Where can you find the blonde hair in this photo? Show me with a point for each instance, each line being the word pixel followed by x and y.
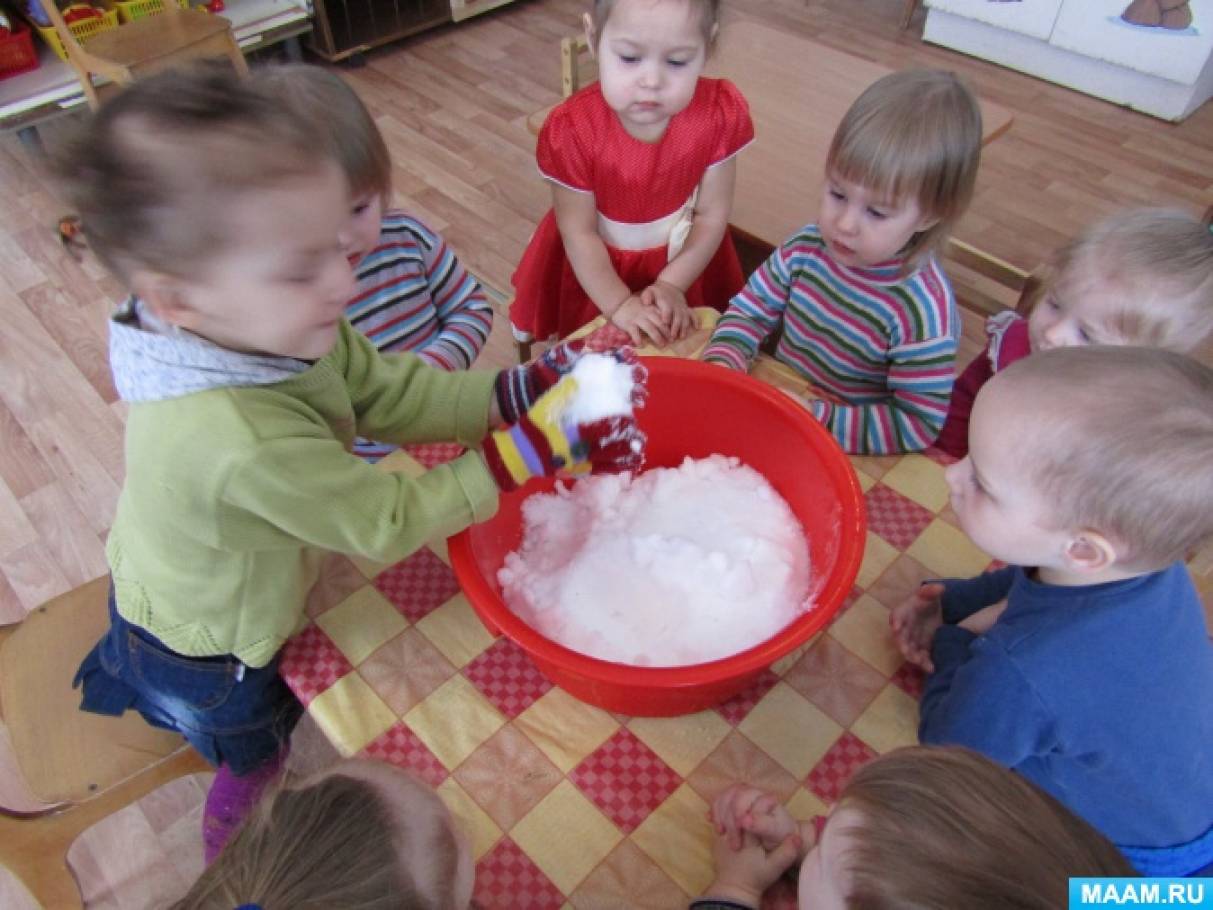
pixel 1155 268
pixel 333 112
pixel 1120 443
pixel 709 17
pixel 332 844
pixel 914 134
pixel 941 828
pixel 150 172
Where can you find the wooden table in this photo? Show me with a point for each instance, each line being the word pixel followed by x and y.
pixel 798 91
pixel 566 805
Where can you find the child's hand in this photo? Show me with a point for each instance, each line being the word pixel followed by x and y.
pixel 983 620
pixel 539 444
pixel 743 874
pixel 742 809
pixel 518 388
pixel 641 322
pixel 914 622
pixel 671 303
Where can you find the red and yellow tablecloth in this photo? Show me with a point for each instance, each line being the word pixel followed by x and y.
pixel 567 805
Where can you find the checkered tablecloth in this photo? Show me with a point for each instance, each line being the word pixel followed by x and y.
pixel 567 805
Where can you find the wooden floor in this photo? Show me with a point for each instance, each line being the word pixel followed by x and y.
pixel 453 105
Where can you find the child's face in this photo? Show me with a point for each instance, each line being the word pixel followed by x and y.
pixel 419 810
pixel 650 55
pixel 1073 312
pixel 992 496
pixel 361 232
pixel 862 229
pixel 282 280
pixel 824 881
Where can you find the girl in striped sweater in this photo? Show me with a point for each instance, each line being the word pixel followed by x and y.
pixel 858 303
pixel 412 293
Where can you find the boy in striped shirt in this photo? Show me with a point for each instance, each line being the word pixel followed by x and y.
pixel 412 294
pixel 859 304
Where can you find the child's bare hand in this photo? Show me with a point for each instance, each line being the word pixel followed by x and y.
pixel 743 810
pixel 671 303
pixel 914 622
pixel 742 874
pixel 983 620
pixel 641 322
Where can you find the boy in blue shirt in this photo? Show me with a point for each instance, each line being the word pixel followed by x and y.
pixel 1085 665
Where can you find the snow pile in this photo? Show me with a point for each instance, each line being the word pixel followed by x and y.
pixel 675 566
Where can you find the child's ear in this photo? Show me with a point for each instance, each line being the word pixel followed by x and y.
pixel 587 22
pixel 163 296
pixel 1090 551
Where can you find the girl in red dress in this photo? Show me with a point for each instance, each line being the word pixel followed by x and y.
pixel 642 168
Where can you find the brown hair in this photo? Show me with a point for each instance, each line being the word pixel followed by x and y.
pixel 1155 270
pixel 149 172
pixel 333 112
pixel 331 844
pixel 709 18
pixel 942 828
pixel 914 134
pixel 1118 442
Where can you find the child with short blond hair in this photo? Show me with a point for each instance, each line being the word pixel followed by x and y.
pixel 222 212
pixel 919 828
pixel 1085 665
pixel 1138 277
pixel 858 301
pixel 360 834
pixel 411 292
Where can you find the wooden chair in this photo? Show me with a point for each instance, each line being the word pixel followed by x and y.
pixel 907 13
pixel 70 765
pixel 999 283
pixel 146 45
pixel 571 49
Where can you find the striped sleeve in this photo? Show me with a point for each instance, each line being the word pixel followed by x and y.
pixel 465 317
pixel 921 370
pixel 753 314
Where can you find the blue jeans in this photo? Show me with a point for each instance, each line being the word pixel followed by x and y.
pixel 232 714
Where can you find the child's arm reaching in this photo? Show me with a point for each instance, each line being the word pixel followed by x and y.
pixel 753 314
pixel 577 219
pixel 465 317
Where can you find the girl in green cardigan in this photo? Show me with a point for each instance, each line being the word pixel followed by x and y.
pixel 246 388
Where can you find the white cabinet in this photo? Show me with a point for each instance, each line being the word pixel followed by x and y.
pixel 1033 18
pixel 1090 45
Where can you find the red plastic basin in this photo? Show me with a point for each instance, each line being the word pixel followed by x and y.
pixel 694 409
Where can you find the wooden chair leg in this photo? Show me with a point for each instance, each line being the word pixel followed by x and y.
pixel 908 13
pixel 524 351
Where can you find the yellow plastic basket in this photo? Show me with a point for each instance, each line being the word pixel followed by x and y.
pixel 130 10
pixel 83 30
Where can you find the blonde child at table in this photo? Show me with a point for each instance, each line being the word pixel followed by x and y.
pixel 858 303
pixel 916 829
pixel 1085 664
pixel 411 291
pixel 641 166
pixel 362 834
pixel 224 214
pixel 1138 277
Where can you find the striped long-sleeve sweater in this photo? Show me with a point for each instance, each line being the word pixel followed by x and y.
pixel 413 295
pixel 882 343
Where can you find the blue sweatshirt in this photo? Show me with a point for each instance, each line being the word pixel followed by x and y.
pixel 1102 695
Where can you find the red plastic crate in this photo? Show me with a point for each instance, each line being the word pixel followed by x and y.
pixel 17 53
